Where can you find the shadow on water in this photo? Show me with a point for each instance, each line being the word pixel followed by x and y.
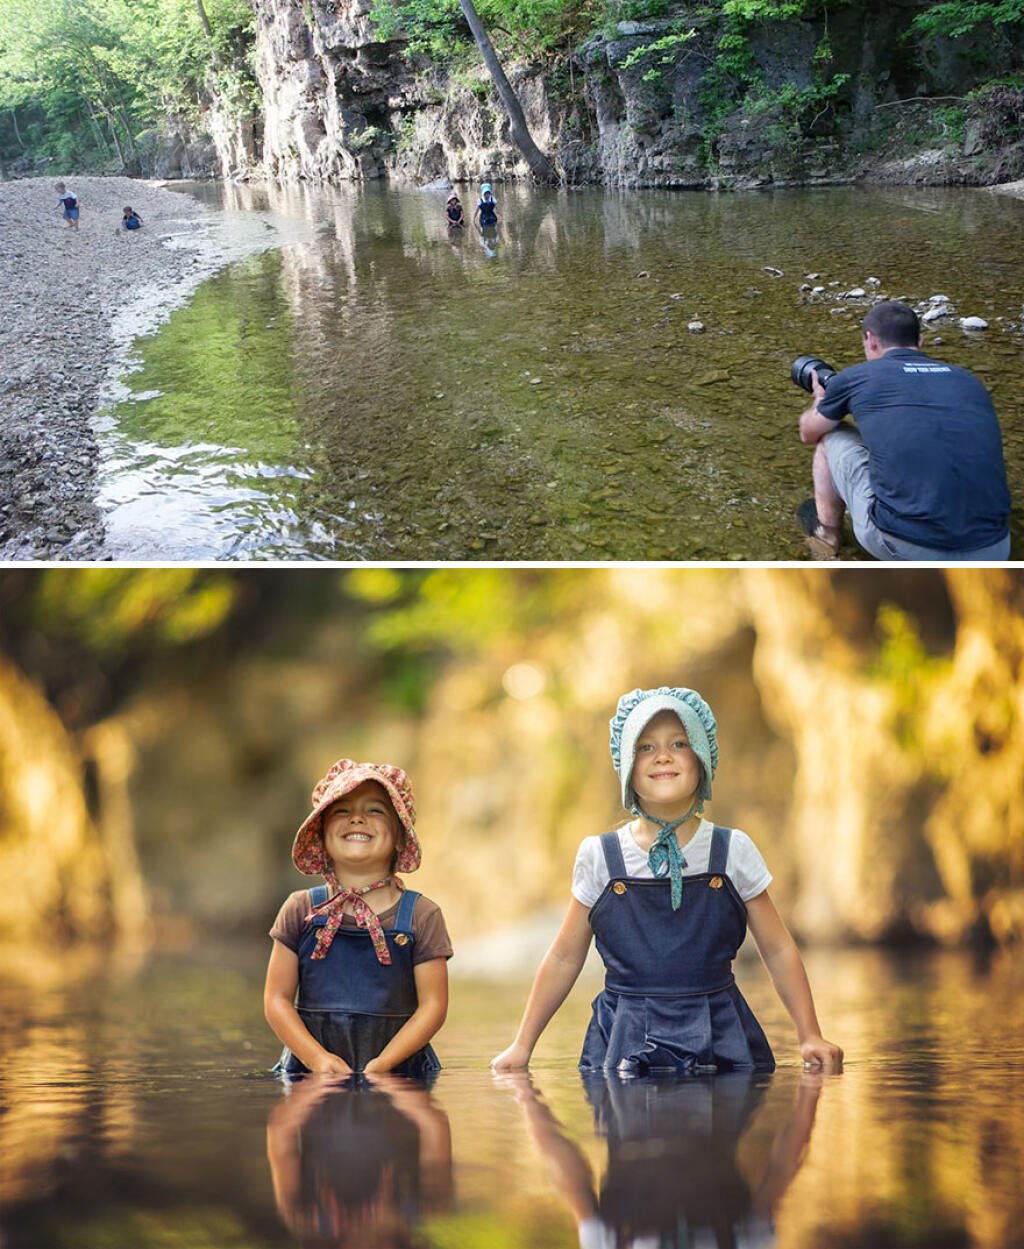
pixel 395 390
pixel 139 1111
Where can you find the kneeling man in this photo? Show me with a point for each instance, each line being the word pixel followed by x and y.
pixel 922 472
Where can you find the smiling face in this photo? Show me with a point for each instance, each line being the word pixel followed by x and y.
pixel 666 771
pixel 361 831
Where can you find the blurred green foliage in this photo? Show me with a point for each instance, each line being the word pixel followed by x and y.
pixel 460 609
pixel 106 610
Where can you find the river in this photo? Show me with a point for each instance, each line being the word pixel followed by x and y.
pixel 139 1114
pixel 392 390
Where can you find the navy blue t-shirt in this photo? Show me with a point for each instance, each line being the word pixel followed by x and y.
pixel 934 447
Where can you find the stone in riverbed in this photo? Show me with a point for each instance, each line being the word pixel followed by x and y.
pixel 973 323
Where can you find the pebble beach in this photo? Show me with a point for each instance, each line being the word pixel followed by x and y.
pixel 65 297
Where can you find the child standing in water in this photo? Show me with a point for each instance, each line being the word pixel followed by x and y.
pixel 453 212
pixel 486 211
pixel 669 897
pixel 367 956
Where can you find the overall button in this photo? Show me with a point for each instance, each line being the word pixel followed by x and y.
pixel 715 882
pixel 618 887
pixel 402 939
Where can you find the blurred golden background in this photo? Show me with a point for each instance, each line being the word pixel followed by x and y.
pixel 160 731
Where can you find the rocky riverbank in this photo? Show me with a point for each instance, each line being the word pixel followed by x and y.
pixel 64 295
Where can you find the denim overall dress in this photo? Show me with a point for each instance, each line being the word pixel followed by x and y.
pixel 670 1001
pixel 352 1003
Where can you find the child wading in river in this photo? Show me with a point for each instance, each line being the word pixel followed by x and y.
pixel 486 211
pixel 669 896
pixel 367 956
pixel 453 212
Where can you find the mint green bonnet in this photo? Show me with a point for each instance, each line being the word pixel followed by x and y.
pixel 638 708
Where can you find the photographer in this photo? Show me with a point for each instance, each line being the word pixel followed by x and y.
pixel 922 472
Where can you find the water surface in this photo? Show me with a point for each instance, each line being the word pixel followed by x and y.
pixel 138 1113
pixel 394 391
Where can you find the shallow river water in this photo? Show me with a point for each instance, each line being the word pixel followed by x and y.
pixel 387 391
pixel 138 1114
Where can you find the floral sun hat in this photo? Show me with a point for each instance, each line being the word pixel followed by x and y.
pixel 638 708
pixel 308 852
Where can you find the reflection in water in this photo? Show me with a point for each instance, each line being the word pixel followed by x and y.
pixel 355 1165
pixel 137 1112
pixel 381 390
pixel 672 1180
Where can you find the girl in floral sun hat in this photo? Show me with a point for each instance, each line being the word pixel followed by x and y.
pixel 669 896
pixel 358 978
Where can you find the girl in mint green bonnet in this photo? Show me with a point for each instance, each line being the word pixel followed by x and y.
pixel 669 896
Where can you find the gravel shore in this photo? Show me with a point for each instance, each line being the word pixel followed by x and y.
pixel 62 295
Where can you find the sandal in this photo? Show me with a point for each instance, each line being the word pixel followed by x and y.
pixel 819 547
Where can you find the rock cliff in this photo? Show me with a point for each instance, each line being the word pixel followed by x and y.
pixel 640 104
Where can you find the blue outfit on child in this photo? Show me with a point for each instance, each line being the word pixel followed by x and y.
pixel 670 1001
pixel 352 1003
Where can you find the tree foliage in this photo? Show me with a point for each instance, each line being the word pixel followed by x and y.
pixel 80 79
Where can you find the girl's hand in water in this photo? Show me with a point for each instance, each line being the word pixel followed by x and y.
pixel 821 1055
pixel 330 1065
pixel 515 1058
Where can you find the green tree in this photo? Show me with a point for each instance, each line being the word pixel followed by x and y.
pixel 89 75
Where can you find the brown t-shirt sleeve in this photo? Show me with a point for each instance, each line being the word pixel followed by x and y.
pixel 430 931
pixel 291 919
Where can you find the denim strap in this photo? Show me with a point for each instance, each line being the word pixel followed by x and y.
pixel 720 839
pixel 403 920
pixel 613 854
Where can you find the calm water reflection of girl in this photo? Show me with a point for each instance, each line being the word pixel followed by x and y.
pixel 359 1166
pixel 672 1179
pixel 668 897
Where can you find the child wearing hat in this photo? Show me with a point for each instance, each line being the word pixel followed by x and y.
pixel 668 897
pixel 486 211
pixel 454 212
pixel 358 978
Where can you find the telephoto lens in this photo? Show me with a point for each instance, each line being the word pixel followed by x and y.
pixel 800 371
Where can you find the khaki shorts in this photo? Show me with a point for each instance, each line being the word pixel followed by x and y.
pixel 848 463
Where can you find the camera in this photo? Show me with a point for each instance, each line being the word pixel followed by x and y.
pixel 800 371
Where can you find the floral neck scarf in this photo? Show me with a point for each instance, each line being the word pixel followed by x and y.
pixel 665 857
pixel 365 917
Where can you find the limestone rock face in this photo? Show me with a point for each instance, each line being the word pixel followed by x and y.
pixel 341 105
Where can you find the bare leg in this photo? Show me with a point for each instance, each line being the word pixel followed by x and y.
pixel 827 501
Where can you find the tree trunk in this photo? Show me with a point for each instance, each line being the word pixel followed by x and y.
pixel 208 32
pixel 97 128
pixel 540 166
pixel 17 132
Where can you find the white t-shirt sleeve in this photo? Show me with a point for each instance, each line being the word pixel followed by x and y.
pixel 746 867
pixel 589 873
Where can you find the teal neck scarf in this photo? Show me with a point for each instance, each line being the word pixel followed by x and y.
pixel 665 857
